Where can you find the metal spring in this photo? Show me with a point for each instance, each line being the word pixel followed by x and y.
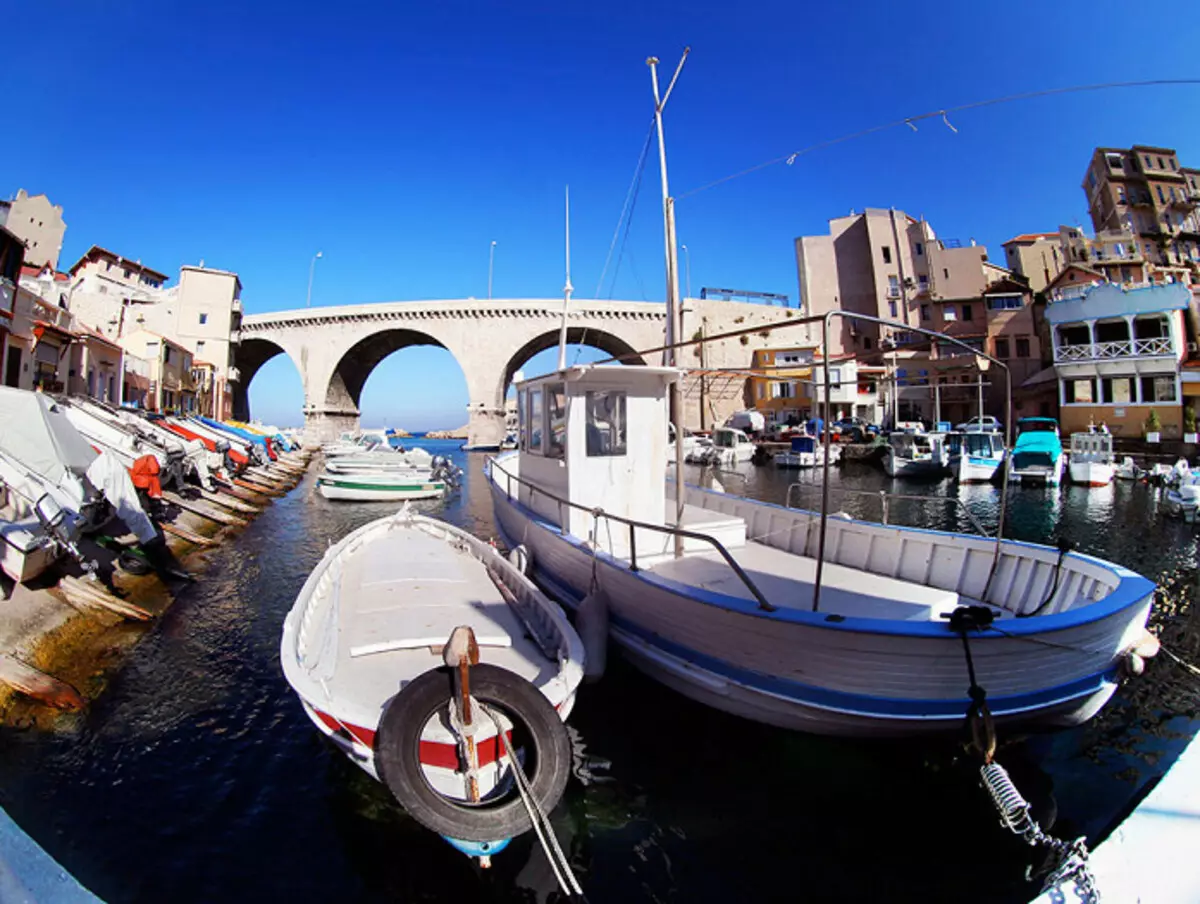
pixel 1014 809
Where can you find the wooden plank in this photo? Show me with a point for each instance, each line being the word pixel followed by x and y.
pixel 240 493
pixel 90 594
pixel 256 487
pixel 203 512
pixel 38 685
pixel 185 534
pixel 225 500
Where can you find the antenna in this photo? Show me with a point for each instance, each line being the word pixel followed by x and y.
pixel 567 290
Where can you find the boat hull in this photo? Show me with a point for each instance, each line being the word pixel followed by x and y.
pixel 978 470
pixel 803 672
pixel 360 488
pixel 1091 473
pixel 907 467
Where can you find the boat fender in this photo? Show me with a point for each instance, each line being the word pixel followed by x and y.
pixel 542 734
pixel 519 556
pixel 1132 664
pixel 591 622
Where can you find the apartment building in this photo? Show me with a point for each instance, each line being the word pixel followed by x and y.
pixel 172 383
pixel 1118 354
pixel 889 265
pixel 38 223
pixel 787 386
pixel 1143 198
pixel 1037 256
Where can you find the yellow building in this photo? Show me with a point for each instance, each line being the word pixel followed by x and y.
pixel 781 385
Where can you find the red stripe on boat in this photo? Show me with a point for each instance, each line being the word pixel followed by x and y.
pixel 433 753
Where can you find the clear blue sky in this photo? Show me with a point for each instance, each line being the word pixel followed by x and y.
pixel 401 139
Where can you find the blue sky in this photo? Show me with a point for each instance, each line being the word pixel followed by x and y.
pixel 401 139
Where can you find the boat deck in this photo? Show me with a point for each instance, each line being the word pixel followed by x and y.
pixel 401 598
pixel 787 580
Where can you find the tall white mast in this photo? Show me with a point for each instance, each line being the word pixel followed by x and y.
pixel 672 255
pixel 567 290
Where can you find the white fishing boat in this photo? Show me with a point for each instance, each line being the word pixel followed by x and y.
pixel 1091 459
pixel 1182 500
pixel 690 444
pixel 381 487
pixel 828 625
pixel 376 462
pixel 975 457
pixel 807 452
pixel 915 455
pixel 377 648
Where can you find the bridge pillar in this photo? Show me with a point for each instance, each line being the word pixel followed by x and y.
pixel 485 425
pixel 324 424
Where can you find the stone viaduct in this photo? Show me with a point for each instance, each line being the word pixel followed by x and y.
pixel 336 348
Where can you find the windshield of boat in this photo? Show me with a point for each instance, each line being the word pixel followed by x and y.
pixel 1037 427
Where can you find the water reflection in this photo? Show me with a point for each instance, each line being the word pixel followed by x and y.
pixel 200 746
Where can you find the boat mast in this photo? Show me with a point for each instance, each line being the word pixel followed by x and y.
pixel 567 290
pixel 672 255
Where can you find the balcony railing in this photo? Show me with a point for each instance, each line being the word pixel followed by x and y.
pixel 1104 351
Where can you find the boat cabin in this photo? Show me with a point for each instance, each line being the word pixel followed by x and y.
pixel 595 437
pixel 804 443
pixel 913 446
pixel 729 438
pixel 1097 447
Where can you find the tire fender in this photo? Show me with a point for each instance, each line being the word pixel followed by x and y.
pixel 397 753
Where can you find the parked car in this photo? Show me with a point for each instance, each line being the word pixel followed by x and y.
pixel 984 424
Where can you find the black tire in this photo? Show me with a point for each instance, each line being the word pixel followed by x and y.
pixel 541 731
pixel 133 564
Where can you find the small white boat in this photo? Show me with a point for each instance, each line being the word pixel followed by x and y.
pixel 729 446
pixel 376 462
pixel 381 487
pixel 690 444
pixel 828 625
pixel 1127 470
pixel 1091 461
pixel 1183 501
pixel 915 455
pixel 373 648
pixel 975 456
pixel 807 452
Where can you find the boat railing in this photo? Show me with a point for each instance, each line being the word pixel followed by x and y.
pixel 633 527
pixel 885 499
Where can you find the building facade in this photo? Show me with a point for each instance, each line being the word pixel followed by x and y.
pixel 37 222
pixel 1118 355
pixel 172 383
pixel 1143 198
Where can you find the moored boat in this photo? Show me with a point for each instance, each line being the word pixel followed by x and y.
pixel 1037 455
pixel 828 625
pixel 1091 459
pixel 807 452
pixel 910 454
pixel 975 457
pixel 381 486
pixel 376 647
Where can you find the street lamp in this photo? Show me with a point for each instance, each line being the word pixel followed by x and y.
pixel 312 265
pixel 491 261
pixel 687 259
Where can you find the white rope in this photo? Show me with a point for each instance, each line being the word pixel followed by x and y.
pixel 541 823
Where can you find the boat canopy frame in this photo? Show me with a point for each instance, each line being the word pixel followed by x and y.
pixel 825 320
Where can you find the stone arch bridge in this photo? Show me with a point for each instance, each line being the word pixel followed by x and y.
pixel 336 348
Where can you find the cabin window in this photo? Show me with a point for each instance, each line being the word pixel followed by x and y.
pixel 605 423
pixel 535 421
pixel 556 411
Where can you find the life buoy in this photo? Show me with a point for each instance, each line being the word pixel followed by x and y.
pixel 537 728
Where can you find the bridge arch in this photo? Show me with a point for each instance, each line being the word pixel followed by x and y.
pixel 249 357
pixel 607 342
pixel 350 373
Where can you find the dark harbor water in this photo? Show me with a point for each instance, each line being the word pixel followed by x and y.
pixel 197 778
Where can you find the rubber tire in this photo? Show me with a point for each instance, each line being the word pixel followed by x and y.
pixel 131 563
pixel 397 758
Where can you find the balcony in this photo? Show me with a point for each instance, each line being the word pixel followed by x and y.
pixel 1157 347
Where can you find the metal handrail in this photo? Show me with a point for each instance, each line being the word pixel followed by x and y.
pixel 885 497
pixel 632 525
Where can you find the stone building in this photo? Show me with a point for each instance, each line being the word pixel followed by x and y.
pixel 38 223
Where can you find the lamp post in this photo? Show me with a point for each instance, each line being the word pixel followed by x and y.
pixel 687 266
pixel 491 262
pixel 311 266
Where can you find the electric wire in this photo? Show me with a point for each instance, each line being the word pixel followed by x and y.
pixel 944 114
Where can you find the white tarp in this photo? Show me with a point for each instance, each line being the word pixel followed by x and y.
pixel 35 432
pixel 109 475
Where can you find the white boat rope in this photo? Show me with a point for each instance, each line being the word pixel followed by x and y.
pixel 541 822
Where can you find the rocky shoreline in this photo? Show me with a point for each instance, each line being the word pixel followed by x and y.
pixel 460 433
